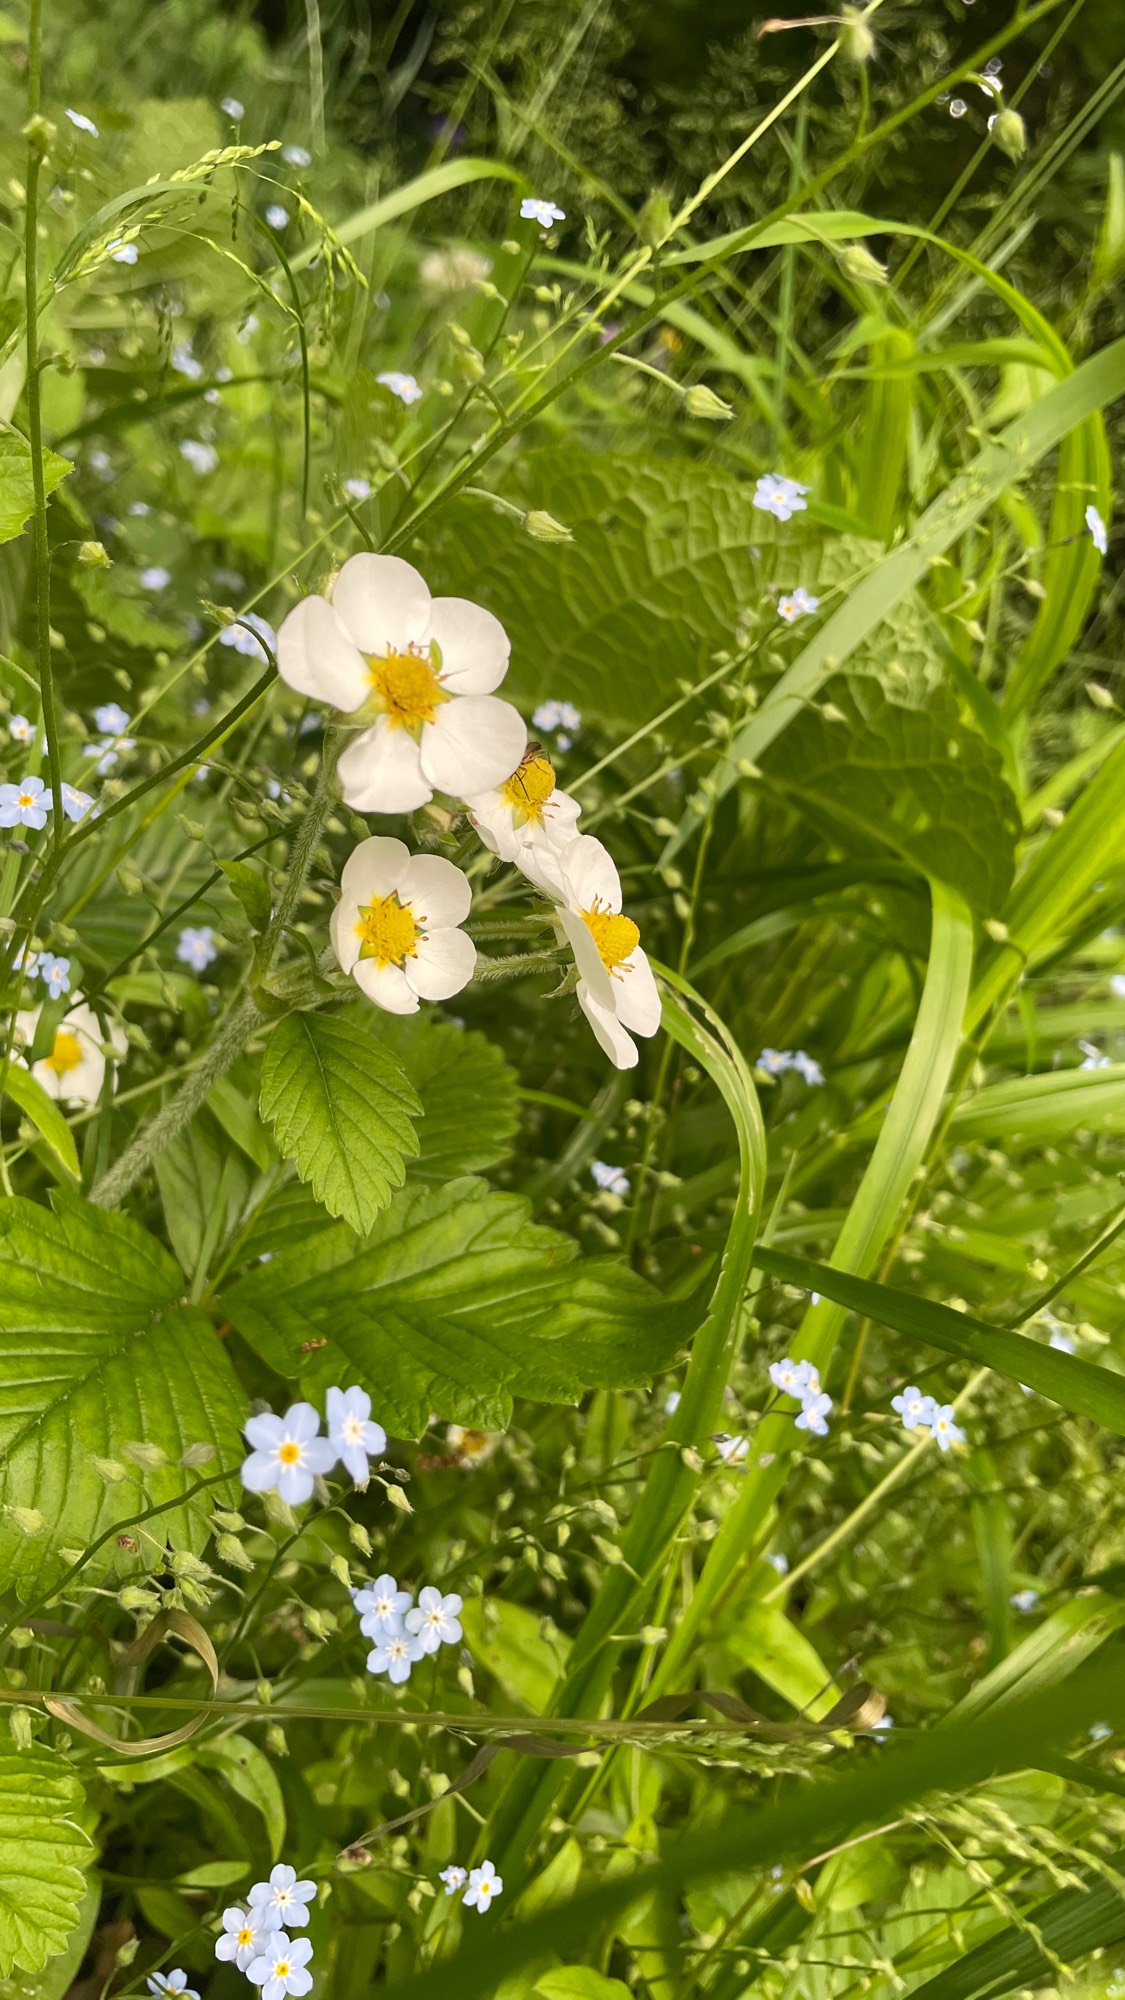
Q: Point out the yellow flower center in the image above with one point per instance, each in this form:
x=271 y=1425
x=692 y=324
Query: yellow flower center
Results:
x=66 y=1054
x=290 y=1453
x=406 y=687
x=27 y=798
x=616 y=937
x=388 y=930
x=530 y=785
x=245 y=1936
x=281 y=1968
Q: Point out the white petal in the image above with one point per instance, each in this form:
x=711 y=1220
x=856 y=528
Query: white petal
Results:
x=492 y=816
x=637 y=995
x=472 y=744
x=590 y=875
x=619 y=1047
x=437 y=891
x=382 y=602
x=443 y=963
x=475 y=648
x=588 y=960
x=316 y=656
x=560 y=817
x=386 y=985
x=382 y=771
x=374 y=868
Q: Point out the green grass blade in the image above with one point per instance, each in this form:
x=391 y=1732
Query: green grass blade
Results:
x=1077 y=1386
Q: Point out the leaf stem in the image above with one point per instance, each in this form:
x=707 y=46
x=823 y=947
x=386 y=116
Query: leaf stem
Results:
x=36 y=143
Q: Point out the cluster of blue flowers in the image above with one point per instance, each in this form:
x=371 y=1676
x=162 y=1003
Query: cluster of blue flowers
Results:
x=800 y=1379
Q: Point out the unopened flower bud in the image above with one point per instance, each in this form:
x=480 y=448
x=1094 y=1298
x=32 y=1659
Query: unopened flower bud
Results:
x=127 y=1952
x=109 y=1469
x=654 y=224
x=275 y=1740
x=20 y=1720
x=857 y=43
x=184 y=1564
x=398 y=1499
x=28 y=1520
x=1099 y=695
x=700 y=401
x=229 y=1550
x=545 y=528
x=1010 y=133
x=40 y=134
x=469 y=365
x=357 y=1533
x=94 y=555
x=133 y=1598
x=339 y=1567
x=197 y=1455
x=862 y=266
x=150 y=1456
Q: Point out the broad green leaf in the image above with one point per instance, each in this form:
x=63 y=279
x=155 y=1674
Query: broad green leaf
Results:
x=44 y=1114
x=17 y=494
x=654 y=580
x=42 y=1856
x=454 y=1304
x=1078 y=1386
x=1004 y=459
x=252 y=890
x=580 y=1982
x=58 y=1977
x=467 y=1091
x=250 y=1774
x=203 y=1185
x=342 y=1108
x=767 y=1643
x=96 y=1354
x=909 y=776
x=521 y=1649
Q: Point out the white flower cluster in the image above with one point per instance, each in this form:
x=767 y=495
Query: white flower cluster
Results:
x=257 y=1938
x=925 y=1413
x=289 y=1452
x=404 y=1632
x=800 y=1379
x=419 y=675
x=484 y=1883
x=75 y=1069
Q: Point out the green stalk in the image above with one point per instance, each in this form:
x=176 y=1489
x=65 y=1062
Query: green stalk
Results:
x=911 y=1118
x=669 y=1489
x=36 y=147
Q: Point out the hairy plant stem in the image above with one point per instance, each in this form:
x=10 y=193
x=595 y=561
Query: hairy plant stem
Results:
x=35 y=150
x=243 y=1018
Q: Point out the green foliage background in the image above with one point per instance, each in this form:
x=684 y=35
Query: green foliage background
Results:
x=813 y=1718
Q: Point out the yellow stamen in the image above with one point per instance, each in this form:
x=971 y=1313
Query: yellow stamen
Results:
x=66 y=1054
x=406 y=688
x=290 y=1453
x=616 y=937
x=531 y=784
x=27 y=798
x=388 y=930
x=281 y=1969
x=246 y=1937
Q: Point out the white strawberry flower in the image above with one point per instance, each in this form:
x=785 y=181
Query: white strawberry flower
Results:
x=75 y=1069
x=434 y=1621
x=527 y=820
x=420 y=670
x=616 y=989
x=395 y=927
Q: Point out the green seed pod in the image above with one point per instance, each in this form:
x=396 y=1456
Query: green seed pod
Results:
x=1010 y=133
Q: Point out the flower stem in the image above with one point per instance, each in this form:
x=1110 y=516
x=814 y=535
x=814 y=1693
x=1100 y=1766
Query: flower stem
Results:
x=35 y=149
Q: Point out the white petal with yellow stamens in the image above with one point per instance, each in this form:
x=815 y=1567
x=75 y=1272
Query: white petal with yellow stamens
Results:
x=316 y=656
x=381 y=771
x=471 y=744
x=423 y=667
x=382 y=603
x=395 y=927
x=74 y=1070
x=616 y=989
x=475 y=648
x=526 y=819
